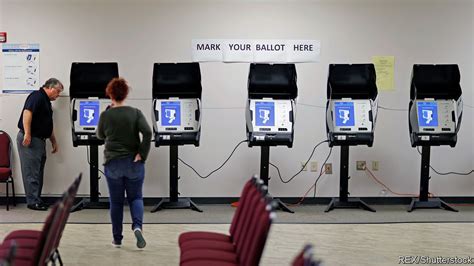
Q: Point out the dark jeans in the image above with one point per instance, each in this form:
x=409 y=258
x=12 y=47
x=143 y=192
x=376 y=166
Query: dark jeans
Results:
x=32 y=160
x=124 y=175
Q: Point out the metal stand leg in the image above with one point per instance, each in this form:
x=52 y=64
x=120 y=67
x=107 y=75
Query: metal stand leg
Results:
x=264 y=163
x=93 y=202
x=344 y=202
x=433 y=203
x=336 y=203
x=173 y=202
x=424 y=202
x=13 y=192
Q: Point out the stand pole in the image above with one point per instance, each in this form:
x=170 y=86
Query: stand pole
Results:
x=93 y=201
x=344 y=202
x=424 y=202
x=174 y=202
x=264 y=163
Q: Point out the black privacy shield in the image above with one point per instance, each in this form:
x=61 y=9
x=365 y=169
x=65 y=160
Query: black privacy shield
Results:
x=182 y=80
x=91 y=79
x=277 y=81
x=435 y=81
x=355 y=81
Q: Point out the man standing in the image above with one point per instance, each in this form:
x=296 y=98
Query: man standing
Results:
x=36 y=125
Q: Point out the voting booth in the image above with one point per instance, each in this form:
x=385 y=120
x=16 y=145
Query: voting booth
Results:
x=87 y=97
x=270 y=111
x=176 y=115
x=351 y=112
x=435 y=112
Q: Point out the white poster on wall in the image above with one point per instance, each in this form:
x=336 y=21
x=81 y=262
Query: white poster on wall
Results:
x=237 y=50
x=21 y=72
x=256 y=51
x=207 y=50
x=300 y=51
x=270 y=51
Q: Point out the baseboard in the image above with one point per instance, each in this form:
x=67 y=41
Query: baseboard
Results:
x=309 y=201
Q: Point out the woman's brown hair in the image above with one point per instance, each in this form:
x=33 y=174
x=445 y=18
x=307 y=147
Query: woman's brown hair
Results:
x=117 y=89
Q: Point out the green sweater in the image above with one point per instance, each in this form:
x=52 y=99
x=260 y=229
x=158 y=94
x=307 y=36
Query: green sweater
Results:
x=120 y=127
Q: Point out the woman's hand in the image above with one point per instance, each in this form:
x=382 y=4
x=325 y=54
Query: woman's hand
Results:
x=138 y=158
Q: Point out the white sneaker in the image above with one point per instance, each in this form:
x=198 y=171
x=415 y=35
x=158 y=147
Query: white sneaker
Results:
x=141 y=243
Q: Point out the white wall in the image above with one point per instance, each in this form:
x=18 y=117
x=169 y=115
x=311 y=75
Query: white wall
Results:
x=138 y=33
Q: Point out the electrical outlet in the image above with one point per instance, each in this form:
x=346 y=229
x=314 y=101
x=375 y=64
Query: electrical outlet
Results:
x=304 y=166
x=328 y=168
x=314 y=166
x=360 y=165
x=375 y=165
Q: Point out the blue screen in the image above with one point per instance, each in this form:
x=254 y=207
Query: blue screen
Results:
x=89 y=112
x=344 y=114
x=427 y=114
x=170 y=113
x=265 y=114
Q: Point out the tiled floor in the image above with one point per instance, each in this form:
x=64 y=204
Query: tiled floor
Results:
x=335 y=244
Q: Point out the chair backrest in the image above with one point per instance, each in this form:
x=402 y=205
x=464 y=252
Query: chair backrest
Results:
x=243 y=247
x=68 y=201
x=257 y=206
x=52 y=218
x=244 y=196
x=53 y=238
x=5 y=149
x=246 y=217
x=51 y=235
x=258 y=238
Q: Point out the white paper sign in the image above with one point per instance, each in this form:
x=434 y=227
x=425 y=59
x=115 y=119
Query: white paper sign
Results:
x=300 y=51
x=207 y=50
x=270 y=51
x=237 y=50
x=21 y=68
x=256 y=51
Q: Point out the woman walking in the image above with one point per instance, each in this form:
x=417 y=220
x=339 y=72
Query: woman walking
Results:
x=125 y=154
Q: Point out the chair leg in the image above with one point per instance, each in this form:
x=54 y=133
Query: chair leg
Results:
x=59 y=258
x=8 y=197
x=13 y=191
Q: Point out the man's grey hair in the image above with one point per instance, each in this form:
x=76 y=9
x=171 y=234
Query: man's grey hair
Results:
x=52 y=83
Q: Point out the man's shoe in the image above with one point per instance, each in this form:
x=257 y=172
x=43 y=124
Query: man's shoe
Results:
x=139 y=236
x=37 y=207
x=116 y=244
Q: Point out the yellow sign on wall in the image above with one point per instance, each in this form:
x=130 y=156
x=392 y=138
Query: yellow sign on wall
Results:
x=384 y=70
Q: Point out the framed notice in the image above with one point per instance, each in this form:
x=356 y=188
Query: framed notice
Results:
x=21 y=72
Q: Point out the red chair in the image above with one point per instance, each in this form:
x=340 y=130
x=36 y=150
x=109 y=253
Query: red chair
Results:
x=29 y=251
x=244 y=246
x=5 y=165
x=8 y=260
x=199 y=235
x=247 y=254
x=31 y=237
x=305 y=257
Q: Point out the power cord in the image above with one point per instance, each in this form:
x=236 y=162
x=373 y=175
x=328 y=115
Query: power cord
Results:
x=447 y=173
x=89 y=162
x=312 y=105
x=235 y=148
x=302 y=168
x=392 y=109
x=386 y=187
x=321 y=173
